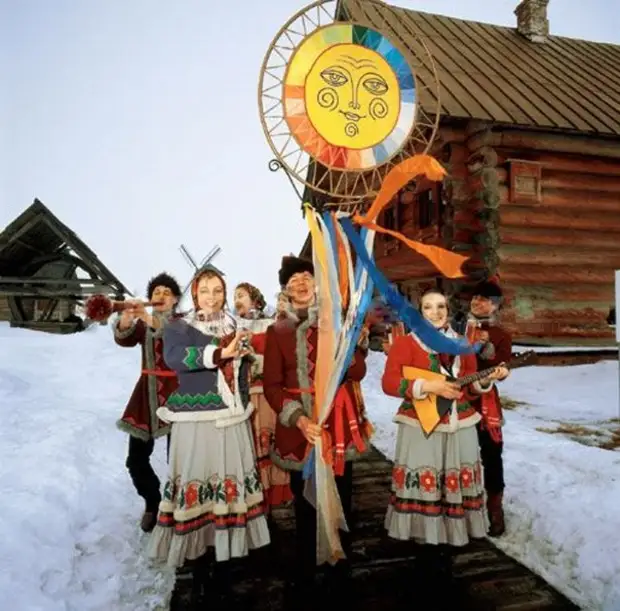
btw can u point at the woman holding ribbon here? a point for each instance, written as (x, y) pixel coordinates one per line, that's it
(437, 492)
(212, 506)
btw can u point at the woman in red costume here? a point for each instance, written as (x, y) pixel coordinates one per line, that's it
(437, 495)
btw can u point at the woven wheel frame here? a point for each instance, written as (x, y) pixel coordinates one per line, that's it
(346, 189)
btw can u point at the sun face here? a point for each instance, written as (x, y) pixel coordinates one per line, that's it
(349, 97)
(352, 96)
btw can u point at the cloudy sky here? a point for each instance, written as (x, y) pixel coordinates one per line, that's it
(136, 122)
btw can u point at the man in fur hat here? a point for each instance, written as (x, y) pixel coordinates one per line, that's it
(156, 382)
(288, 379)
(483, 326)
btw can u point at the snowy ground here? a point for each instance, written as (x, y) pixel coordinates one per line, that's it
(562, 497)
(69, 528)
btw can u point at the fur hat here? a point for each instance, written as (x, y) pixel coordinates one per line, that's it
(488, 289)
(293, 265)
(166, 280)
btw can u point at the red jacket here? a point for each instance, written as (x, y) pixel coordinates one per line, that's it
(155, 384)
(407, 351)
(501, 352)
(288, 384)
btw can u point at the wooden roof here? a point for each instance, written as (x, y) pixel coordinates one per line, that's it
(36, 233)
(489, 72)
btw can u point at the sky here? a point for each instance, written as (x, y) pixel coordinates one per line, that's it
(136, 122)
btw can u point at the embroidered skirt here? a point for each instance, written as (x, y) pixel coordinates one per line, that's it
(437, 491)
(275, 481)
(213, 496)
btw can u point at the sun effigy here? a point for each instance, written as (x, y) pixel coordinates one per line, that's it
(349, 97)
(340, 107)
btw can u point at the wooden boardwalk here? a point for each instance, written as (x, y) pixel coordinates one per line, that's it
(382, 567)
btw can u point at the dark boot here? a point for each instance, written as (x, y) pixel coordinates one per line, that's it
(203, 575)
(186, 591)
(149, 520)
(220, 595)
(495, 512)
(338, 580)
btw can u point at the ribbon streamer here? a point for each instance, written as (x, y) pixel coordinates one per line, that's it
(344, 295)
(406, 312)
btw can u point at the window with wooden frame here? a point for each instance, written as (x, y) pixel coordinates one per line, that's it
(525, 181)
(392, 220)
(427, 210)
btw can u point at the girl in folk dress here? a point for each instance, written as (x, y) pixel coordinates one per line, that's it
(437, 492)
(213, 501)
(250, 305)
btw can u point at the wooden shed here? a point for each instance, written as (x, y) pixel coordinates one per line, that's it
(46, 271)
(529, 132)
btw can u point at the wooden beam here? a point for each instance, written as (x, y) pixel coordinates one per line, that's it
(559, 256)
(556, 179)
(33, 291)
(557, 143)
(535, 274)
(551, 237)
(29, 224)
(65, 282)
(523, 216)
(553, 161)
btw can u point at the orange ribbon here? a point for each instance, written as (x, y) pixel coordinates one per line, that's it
(448, 263)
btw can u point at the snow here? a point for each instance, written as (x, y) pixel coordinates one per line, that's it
(69, 528)
(593, 349)
(562, 496)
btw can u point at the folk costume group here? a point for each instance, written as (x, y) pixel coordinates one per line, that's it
(233, 395)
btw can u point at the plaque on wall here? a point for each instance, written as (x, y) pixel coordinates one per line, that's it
(524, 181)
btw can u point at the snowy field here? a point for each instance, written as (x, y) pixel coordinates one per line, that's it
(69, 528)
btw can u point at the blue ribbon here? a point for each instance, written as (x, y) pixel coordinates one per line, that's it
(308, 470)
(433, 338)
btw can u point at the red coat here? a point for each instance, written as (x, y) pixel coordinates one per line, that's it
(406, 351)
(501, 353)
(288, 379)
(151, 391)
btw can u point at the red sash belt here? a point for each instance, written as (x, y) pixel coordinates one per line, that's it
(334, 447)
(490, 405)
(160, 373)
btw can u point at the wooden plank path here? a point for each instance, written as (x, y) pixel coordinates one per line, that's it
(382, 567)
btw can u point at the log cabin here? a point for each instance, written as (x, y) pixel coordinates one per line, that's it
(529, 132)
(46, 271)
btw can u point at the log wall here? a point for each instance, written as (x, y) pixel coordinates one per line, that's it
(557, 253)
(554, 253)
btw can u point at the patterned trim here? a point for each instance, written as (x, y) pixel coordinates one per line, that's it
(465, 482)
(303, 364)
(438, 508)
(157, 428)
(288, 413)
(166, 519)
(292, 463)
(209, 399)
(403, 389)
(215, 490)
(193, 358)
(126, 332)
